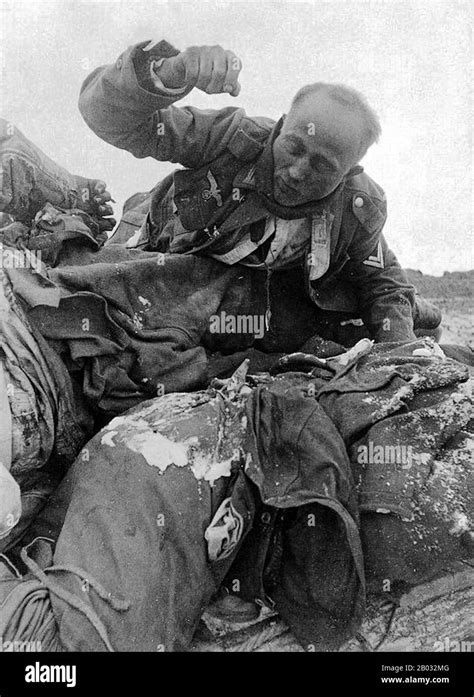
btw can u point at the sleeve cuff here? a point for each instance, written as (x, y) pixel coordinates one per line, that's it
(159, 86)
(143, 57)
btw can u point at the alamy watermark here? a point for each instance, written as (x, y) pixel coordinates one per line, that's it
(225, 323)
(16, 646)
(11, 258)
(373, 454)
(453, 645)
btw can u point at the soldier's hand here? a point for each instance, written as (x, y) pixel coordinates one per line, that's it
(94, 198)
(211, 69)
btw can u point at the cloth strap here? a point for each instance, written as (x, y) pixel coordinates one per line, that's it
(77, 602)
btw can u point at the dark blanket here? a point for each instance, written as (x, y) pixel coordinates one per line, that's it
(132, 325)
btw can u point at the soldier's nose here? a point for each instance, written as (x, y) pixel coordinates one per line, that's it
(297, 171)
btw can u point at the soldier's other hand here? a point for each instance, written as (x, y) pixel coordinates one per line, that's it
(94, 198)
(211, 69)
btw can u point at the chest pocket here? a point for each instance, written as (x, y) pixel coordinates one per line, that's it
(201, 193)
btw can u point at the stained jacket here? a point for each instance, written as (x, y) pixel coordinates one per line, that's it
(214, 205)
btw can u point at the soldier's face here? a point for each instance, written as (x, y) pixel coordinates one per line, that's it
(319, 142)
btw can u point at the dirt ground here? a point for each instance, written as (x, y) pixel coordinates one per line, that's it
(458, 321)
(453, 293)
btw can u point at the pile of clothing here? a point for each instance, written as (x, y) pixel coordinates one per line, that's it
(44, 422)
(266, 485)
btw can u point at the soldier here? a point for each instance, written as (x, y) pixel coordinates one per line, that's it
(276, 196)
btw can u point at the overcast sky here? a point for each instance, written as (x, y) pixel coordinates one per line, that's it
(412, 59)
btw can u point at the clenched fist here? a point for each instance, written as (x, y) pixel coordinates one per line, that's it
(211, 69)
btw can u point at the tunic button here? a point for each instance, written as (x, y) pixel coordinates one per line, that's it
(358, 202)
(119, 63)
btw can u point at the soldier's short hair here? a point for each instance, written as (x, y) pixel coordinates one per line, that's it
(351, 98)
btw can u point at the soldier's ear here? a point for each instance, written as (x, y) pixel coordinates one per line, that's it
(354, 170)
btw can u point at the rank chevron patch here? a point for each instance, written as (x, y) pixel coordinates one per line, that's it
(376, 261)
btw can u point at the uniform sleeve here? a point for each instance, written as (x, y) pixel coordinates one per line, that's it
(385, 295)
(123, 105)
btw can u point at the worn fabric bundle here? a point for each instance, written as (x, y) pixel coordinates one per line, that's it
(47, 422)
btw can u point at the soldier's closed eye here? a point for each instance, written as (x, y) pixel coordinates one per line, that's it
(294, 146)
(320, 164)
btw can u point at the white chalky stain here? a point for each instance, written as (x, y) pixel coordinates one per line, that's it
(137, 321)
(461, 523)
(144, 301)
(107, 438)
(203, 469)
(117, 422)
(159, 451)
(421, 458)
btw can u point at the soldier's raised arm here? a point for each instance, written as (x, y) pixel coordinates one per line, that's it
(130, 102)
